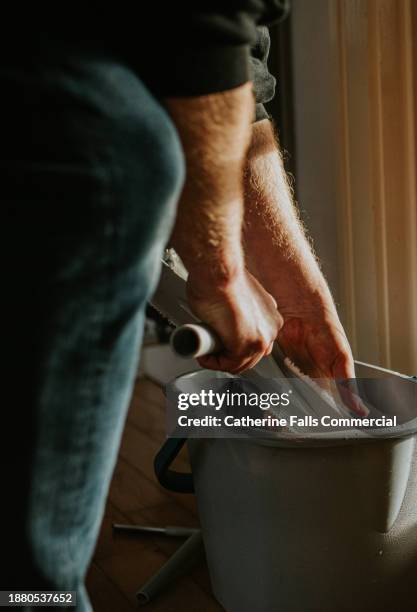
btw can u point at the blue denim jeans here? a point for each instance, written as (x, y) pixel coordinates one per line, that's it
(90, 172)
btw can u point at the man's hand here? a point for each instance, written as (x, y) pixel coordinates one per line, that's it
(215, 131)
(244, 316)
(314, 339)
(280, 256)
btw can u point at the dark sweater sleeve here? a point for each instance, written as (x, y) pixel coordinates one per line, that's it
(202, 47)
(263, 81)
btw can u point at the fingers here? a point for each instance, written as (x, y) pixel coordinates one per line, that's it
(243, 353)
(343, 366)
(323, 353)
(269, 350)
(243, 356)
(246, 320)
(344, 373)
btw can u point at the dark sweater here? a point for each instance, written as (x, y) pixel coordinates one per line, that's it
(203, 46)
(182, 48)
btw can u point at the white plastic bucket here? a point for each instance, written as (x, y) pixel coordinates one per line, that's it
(311, 526)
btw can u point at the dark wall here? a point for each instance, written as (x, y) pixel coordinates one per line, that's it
(281, 107)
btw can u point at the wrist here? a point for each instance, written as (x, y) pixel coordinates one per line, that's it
(217, 280)
(212, 267)
(208, 236)
(291, 274)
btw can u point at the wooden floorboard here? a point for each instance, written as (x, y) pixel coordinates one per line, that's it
(122, 562)
(106, 596)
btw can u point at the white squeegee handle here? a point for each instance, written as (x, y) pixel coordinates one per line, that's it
(197, 339)
(194, 340)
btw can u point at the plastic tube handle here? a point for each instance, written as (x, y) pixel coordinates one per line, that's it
(194, 340)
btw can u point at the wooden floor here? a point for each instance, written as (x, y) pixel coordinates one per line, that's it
(123, 562)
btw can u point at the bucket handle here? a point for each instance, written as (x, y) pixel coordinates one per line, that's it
(179, 482)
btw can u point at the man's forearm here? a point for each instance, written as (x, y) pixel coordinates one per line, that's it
(215, 133)
(280, 257)
(272, 219)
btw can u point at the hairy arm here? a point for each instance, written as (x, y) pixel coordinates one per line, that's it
(280, 256)
(272, 220)
(215, 131)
